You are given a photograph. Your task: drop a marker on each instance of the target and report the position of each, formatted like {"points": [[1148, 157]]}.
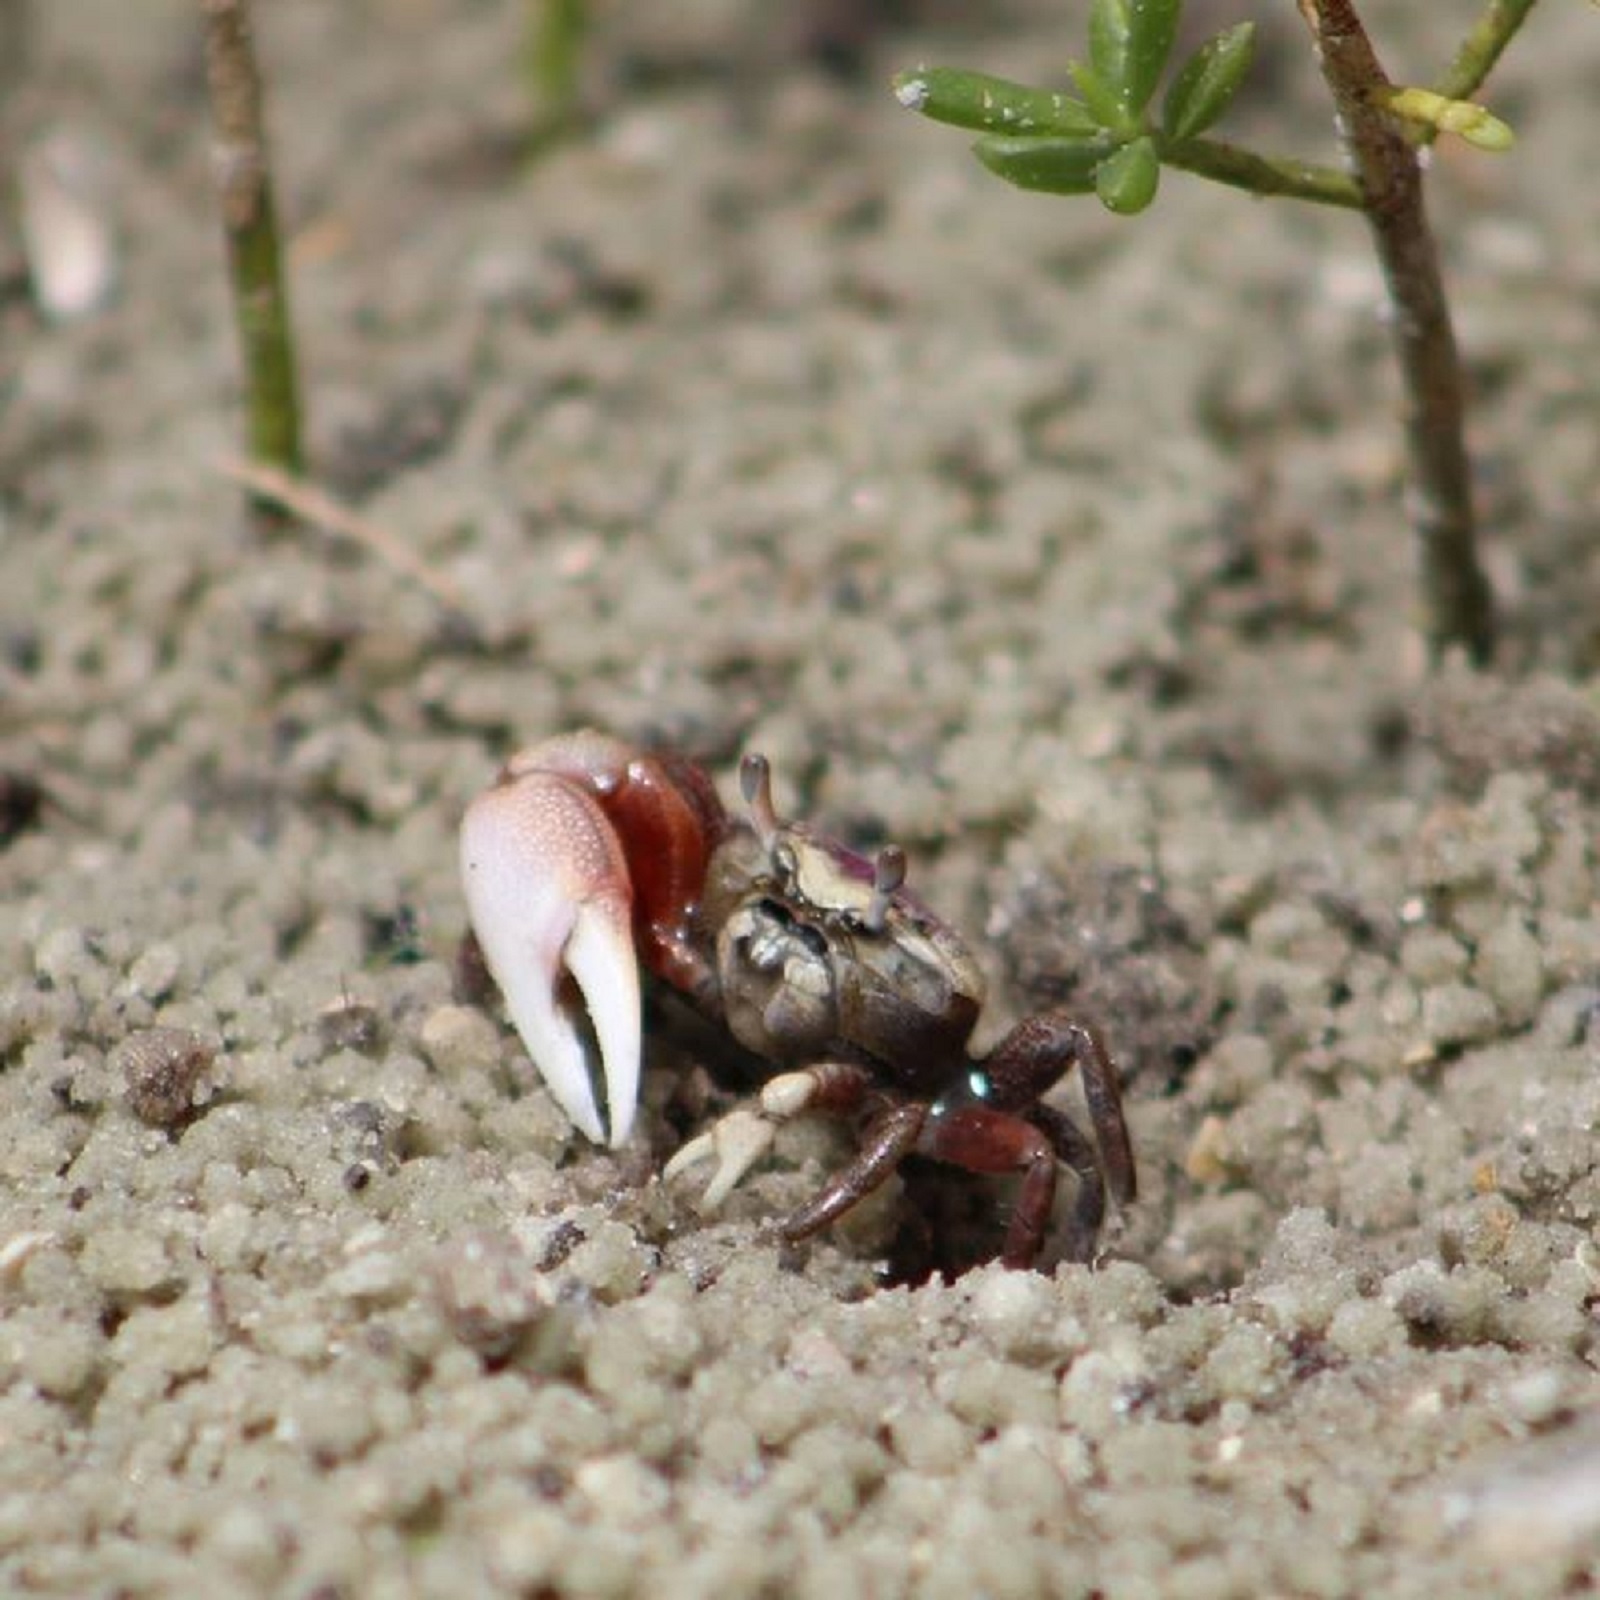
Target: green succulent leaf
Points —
{"points": [[1126, 180], [991, 105], [1103, 105], [1129, 42], [1053, 166], [1208, 81]]}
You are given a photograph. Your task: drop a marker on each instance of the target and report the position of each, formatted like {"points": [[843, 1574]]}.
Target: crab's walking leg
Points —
{"points": [[1074, 1147], [549, 900], [970, 1134], [1035, 1055], [995, 1122], [890, 1138]]}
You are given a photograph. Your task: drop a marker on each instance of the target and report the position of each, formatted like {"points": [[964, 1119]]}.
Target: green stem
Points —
{"points": [[554, 48], [1481, 48], [1460, 606], [1263, 175], [244, 186]]}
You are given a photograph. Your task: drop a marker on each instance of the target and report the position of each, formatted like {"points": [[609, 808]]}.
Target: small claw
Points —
{"points": [[549, 899], [703, 1147], [736, 1143], [742, 1137]]}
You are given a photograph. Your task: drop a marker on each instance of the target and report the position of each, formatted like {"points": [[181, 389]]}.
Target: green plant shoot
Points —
{"points": [[1107, 141]]}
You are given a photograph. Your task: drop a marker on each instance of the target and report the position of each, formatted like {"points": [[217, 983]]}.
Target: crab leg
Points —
{"points": [[740, 1139], [549, 899]]}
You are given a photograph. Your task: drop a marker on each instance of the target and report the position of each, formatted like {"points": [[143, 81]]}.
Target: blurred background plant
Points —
{"points": [[243, 175], [552, 55]]}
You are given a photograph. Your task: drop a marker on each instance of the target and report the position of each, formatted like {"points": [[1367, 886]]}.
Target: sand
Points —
{"points": [[1068, 552]]}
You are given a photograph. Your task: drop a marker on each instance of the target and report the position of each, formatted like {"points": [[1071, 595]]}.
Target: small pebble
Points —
{"points": [[1537, 1397], [1210, 1157], [63, 958], [164, 1071], [1510, 967], [155, 973], [1455, 1014], [67, 236], [349, 1025], [490, 1292], [457, 1039]]}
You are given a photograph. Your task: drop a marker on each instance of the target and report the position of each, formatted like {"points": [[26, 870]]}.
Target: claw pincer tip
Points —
{"points": [[548, 899]]}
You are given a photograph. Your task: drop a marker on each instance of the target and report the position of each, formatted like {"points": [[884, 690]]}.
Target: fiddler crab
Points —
{"points": [[587, 858]]}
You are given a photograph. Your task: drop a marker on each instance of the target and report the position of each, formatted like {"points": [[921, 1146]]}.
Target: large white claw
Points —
{"points": [[549, 900]]}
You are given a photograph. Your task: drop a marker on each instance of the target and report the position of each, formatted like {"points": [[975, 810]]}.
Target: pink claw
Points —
{"points": [[549, 899]]}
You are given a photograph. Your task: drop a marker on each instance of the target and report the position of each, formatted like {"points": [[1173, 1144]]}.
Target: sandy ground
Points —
{"points": [[1068, 552]]}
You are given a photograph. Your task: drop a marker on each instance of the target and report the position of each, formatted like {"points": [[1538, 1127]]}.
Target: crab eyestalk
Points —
{"points": [[888, 873], [755, 784]]}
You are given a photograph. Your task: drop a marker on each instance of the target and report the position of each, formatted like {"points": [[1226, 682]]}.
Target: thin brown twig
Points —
{"points": [[1460, 605], [318, 508]]}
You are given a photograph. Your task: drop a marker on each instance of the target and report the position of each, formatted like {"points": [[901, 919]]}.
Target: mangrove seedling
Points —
{"points": [[1104, 137]]}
